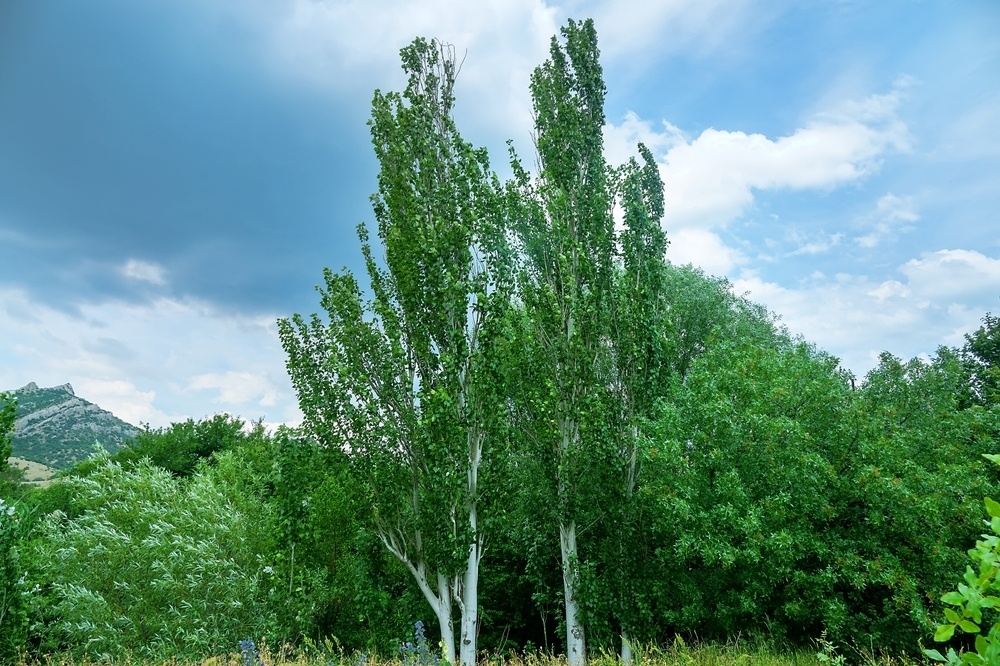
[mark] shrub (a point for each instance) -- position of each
(151, 566)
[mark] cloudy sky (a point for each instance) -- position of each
(174, 175)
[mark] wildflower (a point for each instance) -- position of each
(249, 653)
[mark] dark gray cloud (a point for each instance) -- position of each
(126, 133)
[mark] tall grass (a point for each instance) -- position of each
(733, 653)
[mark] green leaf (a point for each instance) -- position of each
(935, 655)
(972, 659)
(982, 644)
(969, 627)
(995, 457)
(944, 633)
(953, 598)
(992, 507)
(952, 616)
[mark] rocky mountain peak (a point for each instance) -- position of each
(56, 427)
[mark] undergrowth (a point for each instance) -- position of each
(733, 653)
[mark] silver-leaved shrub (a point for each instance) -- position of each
(150, 566)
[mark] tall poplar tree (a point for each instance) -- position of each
(404, 381)
(565, 231)
(639, 347)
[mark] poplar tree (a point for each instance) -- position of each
(639, 349)
(565, 232)
(404, 381)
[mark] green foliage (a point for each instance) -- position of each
(14, 591)
(176, 573)
(10, 476)
(785, 502)
(744, 485)
(179, 447)
(8, 414)
(975, 602)
(981, 355)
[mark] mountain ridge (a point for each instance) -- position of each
(57, 428)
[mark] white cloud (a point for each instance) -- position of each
(951, 275)
(123, 399)
(710, 180)
(236, 388)
(115, 353)
(942, 295)
(144, 271)
(889, 289)
(815, 244)
(891, 216)
(703, 249)
(620, 140)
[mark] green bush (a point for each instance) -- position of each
(13, 588)
(975, 601)
(151, 566)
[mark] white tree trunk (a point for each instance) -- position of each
(576, 644)
(440, 601)
(627, 657)
(442, 608)
(470, 604)
(470, 577)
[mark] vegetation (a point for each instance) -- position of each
(538, 428)
(680, 653)
(10, 474)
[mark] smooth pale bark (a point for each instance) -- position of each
(627, 657)
(443, 612)
(470, 606)
(469, 600)
(576, 643)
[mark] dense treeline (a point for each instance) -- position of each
(775, 500)
(536, 429)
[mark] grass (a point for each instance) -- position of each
(35, 473)
(733, 653)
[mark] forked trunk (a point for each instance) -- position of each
(440, 601)
(442, 608)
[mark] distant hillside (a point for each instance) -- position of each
(56, 428)
(35, 473)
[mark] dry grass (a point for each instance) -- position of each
(35, 474)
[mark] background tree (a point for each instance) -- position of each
(178, 573)
(14, 591)
(638, 378)
(10, 475)
(404, 382)
(981, 355)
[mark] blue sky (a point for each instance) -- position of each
(174, 175)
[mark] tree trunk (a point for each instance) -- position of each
(576, 644)
(627, 657)
(470, 603)
(442, 608)
(439, 601)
